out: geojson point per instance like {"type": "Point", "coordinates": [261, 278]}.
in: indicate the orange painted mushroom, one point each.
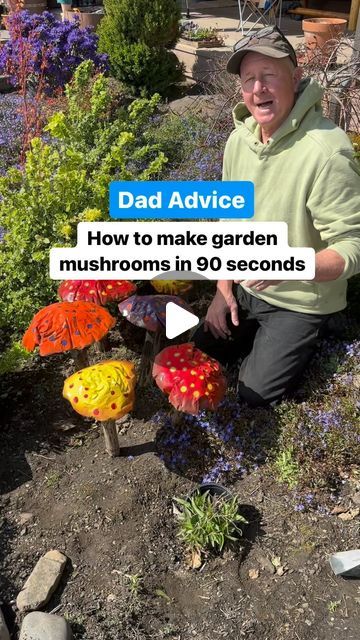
{"type": "Point", "coordinates": [192, 380]}
{"type": "Point", "coordinates": [101, 292]}
{"type": "Point", "coordinates": [67, 326]}
{"type": "Point", "coordinates": [106, 392]}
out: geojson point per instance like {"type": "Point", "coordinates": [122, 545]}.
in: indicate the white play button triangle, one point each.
{"type": "Point", "coordinates": [178, 320]}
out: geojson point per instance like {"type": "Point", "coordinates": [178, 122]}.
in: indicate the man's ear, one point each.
{"type": "Point", "coordinates": [297, 77]}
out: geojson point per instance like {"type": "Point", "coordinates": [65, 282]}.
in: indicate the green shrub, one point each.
{"type": "Point", "coordinates": [137, 36]}
{"type": "Point", "coordinates": [64, 182]}
{"type": "Point", "coordinates": [13, 358]}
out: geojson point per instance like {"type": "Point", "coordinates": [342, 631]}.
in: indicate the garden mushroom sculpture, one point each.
{"type": "Point", "coordinates": [105, 392]}
{"type": "Point", "coordinates": [68, 326]}
{"type": "Point", "coordinates": [149, 312]}
{"type": "Point", "coordinates": [172, 287]}
{"type": "Point", "coordinates": [101, 292]}
{"type": "Point", "coordinates": [192, 380]}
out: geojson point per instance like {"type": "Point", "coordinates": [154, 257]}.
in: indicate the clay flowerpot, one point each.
{"type": "Point", "coordinates": [87, 17]}
{"type": "Point", "coordinates": [318, 32]}
{"type": "Point", "coordinates": [4, 21]}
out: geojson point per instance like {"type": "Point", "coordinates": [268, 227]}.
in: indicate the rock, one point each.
{"type": "Point", "coordinates": [45, 626]}
{"type": "Point", "coordinates": [349, 515]}
{"type": "Point", "coordinates": [4, 633]}
{"type": "Point", "coordinates": [42, 582]}
{"type": "Point", "coordinates": [356, 498]}
{"type": "Point", "coordinates": [25, 518]}
{"type": "Point", "coordinates": [265, 563]}
{"type": "Point", "coordinates": [254, 574]}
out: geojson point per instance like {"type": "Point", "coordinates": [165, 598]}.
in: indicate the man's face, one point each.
{"type": "Point", "coordinates": [269, 86]}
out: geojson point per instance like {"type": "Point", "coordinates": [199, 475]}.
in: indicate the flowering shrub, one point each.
{"type": "Point", "coordinates": [66, 181]}
{"type": "Point", "coordinates": [44, 50]}
{"type": "Point", "coordinates": [191, 136]}
{"type": "Point", "coordinates": [219, 446]}
{"type": "Point", "coordinates": [323, 433]}
{"type": "Point", "coordinates": [11, 130]}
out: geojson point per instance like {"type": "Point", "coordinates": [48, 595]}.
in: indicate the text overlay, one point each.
{"type": "Point", "coordinates": [227, 251]}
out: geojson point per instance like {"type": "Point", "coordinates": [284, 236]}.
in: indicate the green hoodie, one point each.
{"type": "Point", "coordinates": [307, 176]}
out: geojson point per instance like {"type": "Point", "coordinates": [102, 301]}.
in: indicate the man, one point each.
{"type": "Point", "coordinates": [305, 174]}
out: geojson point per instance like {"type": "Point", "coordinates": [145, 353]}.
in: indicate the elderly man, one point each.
{"type": "Point", "coordinates": [305, 174]}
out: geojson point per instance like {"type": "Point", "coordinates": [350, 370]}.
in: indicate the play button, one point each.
{"type": "Point", "coordinates": [178, 320]}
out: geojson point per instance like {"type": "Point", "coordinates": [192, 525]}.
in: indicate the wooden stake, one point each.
{"type": "Point", "coordinates": [111, 438]}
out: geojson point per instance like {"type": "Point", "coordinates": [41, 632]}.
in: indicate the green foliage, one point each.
{"type": "Point", "coordinates": [135, 582]}
{"type": "Point", "coordinates": [204, 33]}
{"type": "Point", "coordinates": [287, 468]}
{"type": "Point", "coordinates": [321, 436]}
{"type": "Point", "coordinates": [355, 139]}
{"type": "Point", "coordinates": [207, 522]}
{"type": "Point", "coordinates": [176, 135]}
{"type": "Point", "coordinates": [64, 182]}
{"type": "Point", "coordinates": [13, 358]}
{"type": "Point", "coordinates": [137, 36]}
{"type": "Point", "coordinates": [333, 605]}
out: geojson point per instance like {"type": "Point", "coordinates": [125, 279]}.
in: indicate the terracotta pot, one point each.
{"type": "Point", "coordinates": [318, 32]}
{"type": "Point", "coordinates": [87, 18]}
{"type": "Point", "coordinates": [4, 21]}
{"type": "Point", "coordinates": [34, 6]}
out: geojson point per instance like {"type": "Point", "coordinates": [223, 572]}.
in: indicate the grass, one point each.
{"type": "Point", "coordinates": [208, 522]}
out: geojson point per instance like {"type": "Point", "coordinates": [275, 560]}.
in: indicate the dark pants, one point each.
{"type": "Point", "coordinates": [274, 344]}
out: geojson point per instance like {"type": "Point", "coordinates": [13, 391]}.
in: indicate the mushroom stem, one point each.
{"type": "Point", "coordinates": [176, 417]}
{"type": "Point", "coordinates": [150, 349]}
{"type": "Point", "coordinates": [111, 438]}
{"type": "Point", "coordinates": [80, 358]}
{"type": "Point", "coordinates": [103, 345]}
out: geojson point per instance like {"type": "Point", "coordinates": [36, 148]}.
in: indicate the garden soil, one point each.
{"type": "Point", "coordinates": [128, 575]}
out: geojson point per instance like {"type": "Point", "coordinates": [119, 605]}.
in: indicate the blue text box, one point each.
{"type": "Point", "coordinates": [187, 200]}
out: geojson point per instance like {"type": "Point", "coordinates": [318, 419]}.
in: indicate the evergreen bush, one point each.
{"type": "Point", "coordinates": [137, 36]}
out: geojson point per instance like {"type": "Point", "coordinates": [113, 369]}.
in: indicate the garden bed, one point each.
{"type": "Point", "coordinates": [113, 518]}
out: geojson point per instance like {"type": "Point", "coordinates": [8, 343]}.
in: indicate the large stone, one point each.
{"type": "Point", "coordinates": [45, 626]}
{"type": "Point", "coordinates": [4, 633]}
{"type": "Point", "coordinates": [42, 582]}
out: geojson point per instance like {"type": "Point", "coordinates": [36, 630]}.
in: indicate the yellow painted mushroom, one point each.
{"type": "Point", "coordinates": [171, 287]}
{"type": "Point", "coordinates": [106, 392]}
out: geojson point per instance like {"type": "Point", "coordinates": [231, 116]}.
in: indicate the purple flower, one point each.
{"type": "Point", "coordinates": [47, 50]}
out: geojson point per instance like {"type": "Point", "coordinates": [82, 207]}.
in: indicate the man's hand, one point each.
{"type": "Point", "coordinates": [224, 302]}
{"type": "Point", "coordinates": [258, 285]}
